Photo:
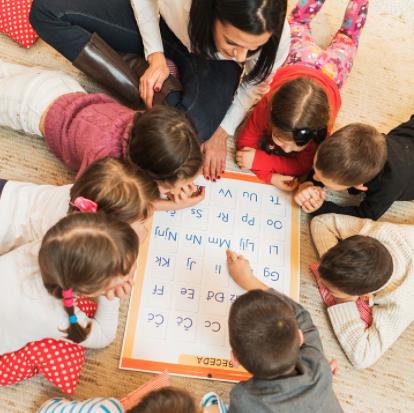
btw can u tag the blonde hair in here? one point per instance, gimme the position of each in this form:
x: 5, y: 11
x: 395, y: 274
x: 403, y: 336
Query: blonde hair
x: 119, y: 188
x: 83, y: 252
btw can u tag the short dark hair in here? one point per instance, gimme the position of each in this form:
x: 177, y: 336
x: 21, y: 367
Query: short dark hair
x: 251, y: 16
x: 353, y: 155
x: 163, y: 143
x: 166, y: 400
x: 357, y: 265
x: 263, y: 333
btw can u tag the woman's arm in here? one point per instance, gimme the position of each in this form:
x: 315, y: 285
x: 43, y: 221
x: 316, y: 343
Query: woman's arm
x: 147, y: 15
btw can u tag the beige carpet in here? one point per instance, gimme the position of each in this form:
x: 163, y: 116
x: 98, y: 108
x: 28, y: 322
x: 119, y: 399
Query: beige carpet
x: 380, y: 91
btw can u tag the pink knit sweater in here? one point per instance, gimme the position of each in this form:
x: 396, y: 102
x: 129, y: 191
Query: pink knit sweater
x: 81, y: 128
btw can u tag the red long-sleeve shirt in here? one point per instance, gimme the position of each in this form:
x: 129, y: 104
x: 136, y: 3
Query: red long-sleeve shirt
x: 258, y: 124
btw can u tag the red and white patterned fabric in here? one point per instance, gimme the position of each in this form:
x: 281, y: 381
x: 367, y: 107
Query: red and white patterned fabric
x: 59, y: 361
x: 14, y: 21
x: 364, y: 309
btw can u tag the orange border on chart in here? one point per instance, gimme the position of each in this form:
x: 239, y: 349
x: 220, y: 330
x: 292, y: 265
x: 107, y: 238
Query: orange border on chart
x: 226, y: 374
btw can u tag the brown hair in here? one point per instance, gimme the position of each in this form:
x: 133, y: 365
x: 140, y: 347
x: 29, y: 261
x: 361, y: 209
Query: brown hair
x: 84, y: 252
x: 353, y: 155
x: 163, y: 143
x: 357, y: 265
x: 263, y: 333
x: 299, y: 103
x: 119, y: 188
x: 166, y: 400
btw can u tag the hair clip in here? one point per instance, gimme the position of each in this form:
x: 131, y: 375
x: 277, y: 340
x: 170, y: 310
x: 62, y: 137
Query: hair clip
x: 84, y: 204
x: 67, y: 297
x: 73, y: 319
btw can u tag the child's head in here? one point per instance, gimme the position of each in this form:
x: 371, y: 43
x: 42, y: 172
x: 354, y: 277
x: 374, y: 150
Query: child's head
x: 351, y: 157
x: 356, y: 266
x: 119, y: 189
x: 86, y: 253
x: 166, y: 400
x: 300, y: 113
x: 264, y: 334
x: 163, y: 143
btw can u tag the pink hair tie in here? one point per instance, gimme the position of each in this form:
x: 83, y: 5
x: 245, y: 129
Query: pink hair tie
x: 84, y: 204
x: 67, y: 297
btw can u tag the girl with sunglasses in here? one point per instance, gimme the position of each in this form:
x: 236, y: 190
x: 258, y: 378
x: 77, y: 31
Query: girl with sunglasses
x: 279, y: 138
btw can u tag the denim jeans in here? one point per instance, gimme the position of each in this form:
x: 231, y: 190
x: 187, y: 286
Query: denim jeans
x: 208, y: 86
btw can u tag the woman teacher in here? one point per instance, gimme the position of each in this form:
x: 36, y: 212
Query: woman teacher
x: 226, y: 52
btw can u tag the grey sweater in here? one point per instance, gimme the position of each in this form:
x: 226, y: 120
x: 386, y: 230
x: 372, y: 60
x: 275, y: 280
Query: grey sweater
x: 309, y: 390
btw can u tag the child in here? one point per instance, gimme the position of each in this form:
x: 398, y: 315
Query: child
x: 279, y: 139
x: 162, y: 400
x: 360, y: 258
x: 80, y: 128
x: 109, y: 185
x: 275, y: 340
x: 86, y: 254
x: 115, y: 187
x: 360, y: 159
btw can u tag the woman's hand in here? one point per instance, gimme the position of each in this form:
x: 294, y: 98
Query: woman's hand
x: 153, y: 78
x: 215, y: 151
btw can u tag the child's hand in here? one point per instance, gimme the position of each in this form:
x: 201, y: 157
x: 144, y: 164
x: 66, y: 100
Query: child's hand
x: 241, y: 272
x: 245, y: 158
x: 188, y: 196
x: 120, y: 291
x: 285, y: 182
x: 310, y: 197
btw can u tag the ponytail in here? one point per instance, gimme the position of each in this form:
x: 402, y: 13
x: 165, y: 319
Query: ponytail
x: 82, y: 253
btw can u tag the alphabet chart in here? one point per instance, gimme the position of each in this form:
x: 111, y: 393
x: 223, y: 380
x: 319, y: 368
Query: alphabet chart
x: 177, y: 319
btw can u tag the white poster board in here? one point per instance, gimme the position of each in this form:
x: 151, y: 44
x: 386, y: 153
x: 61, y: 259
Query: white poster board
x: 177, y: 319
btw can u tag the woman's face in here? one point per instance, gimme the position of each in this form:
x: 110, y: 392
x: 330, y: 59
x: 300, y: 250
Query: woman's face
x: 235, y: 44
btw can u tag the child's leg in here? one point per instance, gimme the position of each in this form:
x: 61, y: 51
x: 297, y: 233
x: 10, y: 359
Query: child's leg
x: 302, y: 48
x: 339, y: 56
x: 26, y: 93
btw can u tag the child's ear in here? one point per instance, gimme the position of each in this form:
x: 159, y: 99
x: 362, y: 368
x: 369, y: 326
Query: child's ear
x: 361, y: 187
x: 301, y: 338
x: 234, y: 360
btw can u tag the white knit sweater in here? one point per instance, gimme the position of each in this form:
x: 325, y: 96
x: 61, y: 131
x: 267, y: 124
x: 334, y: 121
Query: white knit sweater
x: 393, y: 308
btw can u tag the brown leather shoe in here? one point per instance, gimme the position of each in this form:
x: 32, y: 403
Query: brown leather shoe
x: 139, y: 65
x: 103, y: 64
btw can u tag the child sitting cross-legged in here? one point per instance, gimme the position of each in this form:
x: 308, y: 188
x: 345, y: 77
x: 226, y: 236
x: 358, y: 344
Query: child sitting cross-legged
x: 361, y: 159
x: 275, y: 340
x: 360, y: 258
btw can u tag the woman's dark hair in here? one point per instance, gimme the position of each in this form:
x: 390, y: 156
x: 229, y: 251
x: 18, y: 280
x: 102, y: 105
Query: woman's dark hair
x: 163, y: 143
x: 84, y: 252
x: 251, y: 16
